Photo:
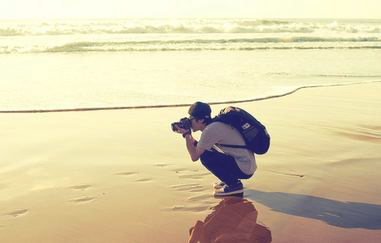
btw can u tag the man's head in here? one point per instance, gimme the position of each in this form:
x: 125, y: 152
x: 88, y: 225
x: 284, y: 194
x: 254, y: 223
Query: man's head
x: 199, y: 113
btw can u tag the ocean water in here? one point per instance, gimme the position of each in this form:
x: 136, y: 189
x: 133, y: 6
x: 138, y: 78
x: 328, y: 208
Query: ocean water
x: 77, y: 64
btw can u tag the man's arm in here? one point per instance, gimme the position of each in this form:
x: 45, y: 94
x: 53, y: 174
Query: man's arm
x: 193, y: 150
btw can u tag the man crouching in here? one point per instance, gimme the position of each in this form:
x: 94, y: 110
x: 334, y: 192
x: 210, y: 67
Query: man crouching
x: 226, y: 163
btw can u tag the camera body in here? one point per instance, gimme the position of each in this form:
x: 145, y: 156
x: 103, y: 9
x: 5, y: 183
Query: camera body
x: 184, y: 123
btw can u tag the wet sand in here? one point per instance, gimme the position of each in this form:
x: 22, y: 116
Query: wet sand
x: 123, y: 176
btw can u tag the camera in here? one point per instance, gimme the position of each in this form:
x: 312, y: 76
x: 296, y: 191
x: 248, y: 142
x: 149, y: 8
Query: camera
x: 184, y: 123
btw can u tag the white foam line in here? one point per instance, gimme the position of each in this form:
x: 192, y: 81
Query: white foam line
x: 188, y: 104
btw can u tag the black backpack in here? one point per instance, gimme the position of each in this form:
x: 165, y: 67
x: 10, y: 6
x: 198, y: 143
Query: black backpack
x: 253, y: 132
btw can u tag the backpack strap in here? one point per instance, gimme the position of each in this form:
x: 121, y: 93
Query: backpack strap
x: 233, y: 146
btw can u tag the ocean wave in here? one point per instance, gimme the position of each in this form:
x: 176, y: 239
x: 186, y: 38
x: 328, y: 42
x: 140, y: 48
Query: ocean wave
x: 285, y: 93
x: 167, y: 26
x: 95, y: 48
x: 216, y: 44
x: 10, y: 32
x: 236, y: 40
x: 160, y: 30
x: 324, y: 75
x: 163, y: 49
x: 183, y: 30
x: 345, y: 76
x: 82, y: 49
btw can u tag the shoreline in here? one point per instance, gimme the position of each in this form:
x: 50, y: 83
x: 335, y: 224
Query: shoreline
x: 188, y: 104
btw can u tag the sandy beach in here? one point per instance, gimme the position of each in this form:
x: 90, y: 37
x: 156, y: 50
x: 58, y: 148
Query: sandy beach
x: 124, y: 176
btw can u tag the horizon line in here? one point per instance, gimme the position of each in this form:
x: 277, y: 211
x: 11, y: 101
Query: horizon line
x: 162, y: 17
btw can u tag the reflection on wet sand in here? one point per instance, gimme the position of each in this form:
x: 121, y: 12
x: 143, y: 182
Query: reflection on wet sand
x: 233, y: 220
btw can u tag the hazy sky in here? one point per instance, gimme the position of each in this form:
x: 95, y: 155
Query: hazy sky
x: 190, y: 8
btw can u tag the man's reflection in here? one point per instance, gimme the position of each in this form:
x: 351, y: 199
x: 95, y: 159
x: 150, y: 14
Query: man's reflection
x: 233, y: 220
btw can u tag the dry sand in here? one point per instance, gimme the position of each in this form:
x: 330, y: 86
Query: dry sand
x: 123, y: 176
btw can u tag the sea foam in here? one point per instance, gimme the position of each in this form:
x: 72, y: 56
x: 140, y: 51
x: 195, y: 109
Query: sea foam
x: 185, y: 35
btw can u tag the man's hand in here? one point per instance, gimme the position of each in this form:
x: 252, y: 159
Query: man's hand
x: 183, y: 131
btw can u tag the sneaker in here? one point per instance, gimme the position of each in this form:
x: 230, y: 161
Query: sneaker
x: 229, y: 190
x: 218, y: 185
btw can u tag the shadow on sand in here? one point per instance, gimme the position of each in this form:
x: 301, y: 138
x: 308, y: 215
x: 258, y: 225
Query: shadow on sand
x: 234, y: 219
x: 337, y: 213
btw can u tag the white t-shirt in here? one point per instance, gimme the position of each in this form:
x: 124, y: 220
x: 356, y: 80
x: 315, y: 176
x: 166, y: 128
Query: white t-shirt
x: 220, y: 133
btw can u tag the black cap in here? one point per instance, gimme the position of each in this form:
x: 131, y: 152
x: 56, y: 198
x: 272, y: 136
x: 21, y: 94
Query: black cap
x: 200, y: 110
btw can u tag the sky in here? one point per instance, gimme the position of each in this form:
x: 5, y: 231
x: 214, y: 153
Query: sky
x: 47, y: 9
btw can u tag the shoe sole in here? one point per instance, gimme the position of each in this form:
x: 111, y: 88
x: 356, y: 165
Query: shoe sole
x: 219, y: 194
x: 217, y: 187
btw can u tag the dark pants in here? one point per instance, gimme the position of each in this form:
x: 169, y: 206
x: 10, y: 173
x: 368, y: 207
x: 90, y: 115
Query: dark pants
x: 223, y: 167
